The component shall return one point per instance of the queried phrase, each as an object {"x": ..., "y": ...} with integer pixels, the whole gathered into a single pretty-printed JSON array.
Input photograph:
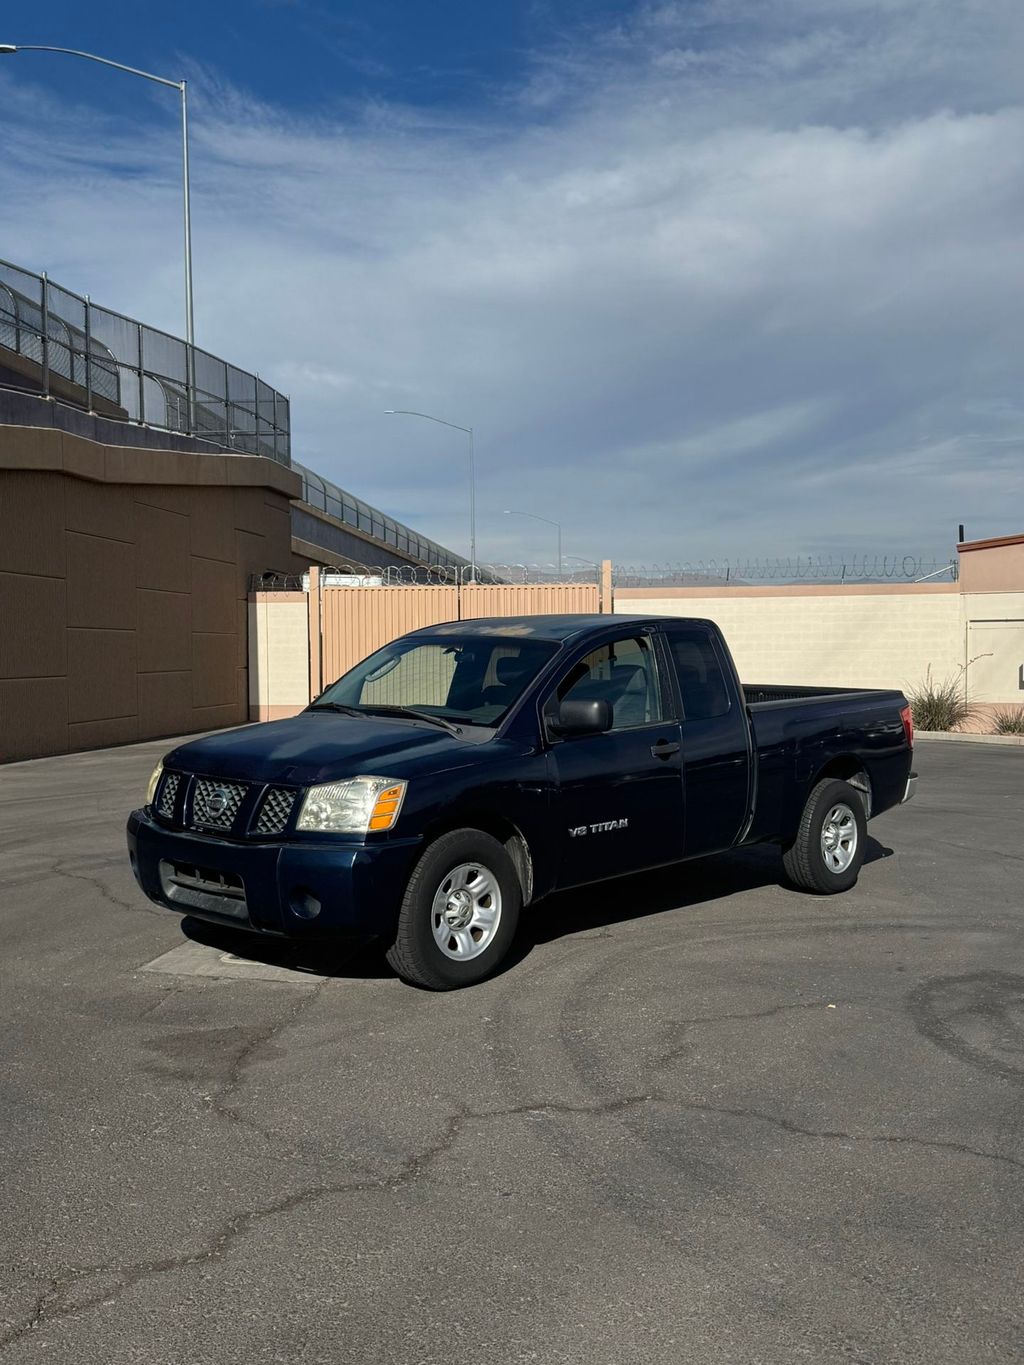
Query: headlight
[
  {"x": 154, "y": 779},
  {"x": 357, "y": 806}
]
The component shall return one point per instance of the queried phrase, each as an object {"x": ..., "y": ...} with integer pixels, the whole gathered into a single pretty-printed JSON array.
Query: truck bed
[
  {"x": 795, "y": 732},
  {"x": 768, "y": 694}
]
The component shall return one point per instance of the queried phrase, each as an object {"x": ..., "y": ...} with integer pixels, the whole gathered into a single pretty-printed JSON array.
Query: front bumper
[
  {"x": 911, "y": 788},
  {"x": 307, "y": 890}
]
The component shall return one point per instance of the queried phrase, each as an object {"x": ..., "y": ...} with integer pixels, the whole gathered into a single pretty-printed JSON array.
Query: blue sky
[{"x": 711, "y": 278}]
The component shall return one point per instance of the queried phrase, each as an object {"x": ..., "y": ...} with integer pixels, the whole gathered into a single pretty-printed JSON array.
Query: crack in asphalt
[
  {"x": 219, "y": 1103},
  {"x": 54, "y": 1304},
  {"x": 61, "y": 870},
  {"x": 165, "y": 994},
  {"x": 788, "y": 1126},
  {"x": 674, "y": 1053}
]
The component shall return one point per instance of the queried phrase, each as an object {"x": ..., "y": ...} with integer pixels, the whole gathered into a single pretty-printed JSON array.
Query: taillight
[{"x": 906, "y": 716}]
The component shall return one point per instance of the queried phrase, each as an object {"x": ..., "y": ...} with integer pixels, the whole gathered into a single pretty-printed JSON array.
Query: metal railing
[
  {"x": 62, "y": 345},
  {"x": 345, "y": 507}
]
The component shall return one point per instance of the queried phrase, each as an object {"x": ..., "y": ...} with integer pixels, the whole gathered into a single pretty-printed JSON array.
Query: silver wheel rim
[
  {"x": 839, "y": 837},
  {"x": 466, "y": 911}
]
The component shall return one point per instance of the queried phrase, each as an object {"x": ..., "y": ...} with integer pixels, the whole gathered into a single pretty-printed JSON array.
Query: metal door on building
[{"x": 995, "y": 650}]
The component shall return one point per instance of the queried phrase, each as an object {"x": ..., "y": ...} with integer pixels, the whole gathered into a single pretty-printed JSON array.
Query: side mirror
[{"x": 590, "y": 717}]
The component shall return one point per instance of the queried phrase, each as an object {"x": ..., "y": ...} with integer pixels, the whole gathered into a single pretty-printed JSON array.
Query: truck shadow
[
  {"x": 677, "y": 887},
  {"x": 587, "y": 909}
]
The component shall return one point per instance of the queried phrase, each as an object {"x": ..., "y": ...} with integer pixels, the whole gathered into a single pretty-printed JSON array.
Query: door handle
[{"x": 665, "y": 748}]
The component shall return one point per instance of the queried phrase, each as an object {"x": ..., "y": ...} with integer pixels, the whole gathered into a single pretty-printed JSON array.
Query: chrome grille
[
  {"x": 215, "y": 804},
  {"x": 168, "y": 795},
  {"x": 276, "y": 808}
]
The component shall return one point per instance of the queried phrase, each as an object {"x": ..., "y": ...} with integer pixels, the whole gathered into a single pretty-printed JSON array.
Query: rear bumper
[
  {"x": 308, "y": 890},
  {"x": 910, "y": 789}
]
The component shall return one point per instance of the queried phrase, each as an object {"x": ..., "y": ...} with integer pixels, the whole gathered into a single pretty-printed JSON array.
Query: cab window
[
  {"x": 624, "y": 674},
  {"x": 702, "y": 684}
]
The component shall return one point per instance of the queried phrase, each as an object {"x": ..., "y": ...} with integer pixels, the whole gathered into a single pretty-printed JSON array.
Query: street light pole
[
  {"x": 509, "y": 512},
  {"x": 7, "y": 49},
  {"x": 408, "y": 412}
]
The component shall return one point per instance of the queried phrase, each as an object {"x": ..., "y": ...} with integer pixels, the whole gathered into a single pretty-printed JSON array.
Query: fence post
[
  {"x": 142, "y": 378},
  {"x": 607, "y": 594},
  {"x": 44, "y": 311},
  {"x": 88, "y": 354},
  {"x": 227, "y": 408},
  {"x": 313, "y": 602},
  {"x": 190, "y": 388}
]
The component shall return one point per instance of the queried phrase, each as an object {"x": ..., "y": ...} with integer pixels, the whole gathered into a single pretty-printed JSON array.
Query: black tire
[
  {"x": 416, "y": 954},
  {"x": 809, "y": 861}
]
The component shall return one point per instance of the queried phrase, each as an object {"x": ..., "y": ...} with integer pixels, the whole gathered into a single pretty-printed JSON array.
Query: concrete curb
[{"x": 955, "y": 737}]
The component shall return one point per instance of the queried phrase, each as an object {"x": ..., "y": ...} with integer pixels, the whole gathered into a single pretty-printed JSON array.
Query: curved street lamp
[
  {"x": 408, "y": 412},
  {"x": 509, "y": 512},
  {"x": 8, "y": 49}
]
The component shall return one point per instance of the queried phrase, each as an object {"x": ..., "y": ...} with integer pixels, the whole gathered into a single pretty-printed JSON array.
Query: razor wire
[{"x": 781, "y": 570}]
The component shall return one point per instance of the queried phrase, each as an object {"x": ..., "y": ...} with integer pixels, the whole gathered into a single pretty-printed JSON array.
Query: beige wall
[
  {"x": 123, "y": 588},
  {"x": 858, "y": 636},
  {"x": 278, "y": 654}
]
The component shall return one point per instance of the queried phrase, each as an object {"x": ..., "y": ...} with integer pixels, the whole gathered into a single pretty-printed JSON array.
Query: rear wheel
[
  {"x": 828, "y": 851},
  {"x": 459, "y": 913}
]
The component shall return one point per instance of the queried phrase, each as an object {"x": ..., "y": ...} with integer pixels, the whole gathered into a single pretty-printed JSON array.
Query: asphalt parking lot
[{"x": 701, "y": 1117}]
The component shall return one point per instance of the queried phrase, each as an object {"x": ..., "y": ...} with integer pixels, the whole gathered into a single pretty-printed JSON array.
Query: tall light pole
[
  {"x": 407, "y": 412},
  {"x": 511, "y": 513},
  {"x": 181, "y": 87}
]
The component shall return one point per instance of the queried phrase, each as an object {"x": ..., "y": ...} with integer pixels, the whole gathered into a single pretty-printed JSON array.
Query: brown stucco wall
[
  {"x": 992, "y": 565},
  {"x": 123, "y": 588}
]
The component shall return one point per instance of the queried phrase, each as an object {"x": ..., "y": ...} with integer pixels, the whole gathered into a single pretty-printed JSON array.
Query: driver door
[{"x": 618, "y": 805}]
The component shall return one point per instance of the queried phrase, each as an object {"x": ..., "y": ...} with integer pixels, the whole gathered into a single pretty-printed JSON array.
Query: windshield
[{"x": 466, "y": 681}]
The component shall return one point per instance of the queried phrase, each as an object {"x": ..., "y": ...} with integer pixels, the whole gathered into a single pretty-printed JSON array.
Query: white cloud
[{"x": 735, "y": 279}]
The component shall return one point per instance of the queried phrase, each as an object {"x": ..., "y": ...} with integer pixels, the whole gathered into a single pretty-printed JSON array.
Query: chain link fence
[{"x": 60, "y": 344}]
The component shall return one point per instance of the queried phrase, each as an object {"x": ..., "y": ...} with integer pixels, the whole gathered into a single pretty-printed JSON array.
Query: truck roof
[{"x": 561, "y": 627}]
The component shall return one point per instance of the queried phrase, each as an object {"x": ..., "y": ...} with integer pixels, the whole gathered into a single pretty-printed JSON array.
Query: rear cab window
[{"x": 701, "y": 676}]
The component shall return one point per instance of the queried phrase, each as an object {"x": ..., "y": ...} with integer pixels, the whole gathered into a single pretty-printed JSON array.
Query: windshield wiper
[
  {"x": 337, "y": 706},
  {"x": 413, "y": 714}
]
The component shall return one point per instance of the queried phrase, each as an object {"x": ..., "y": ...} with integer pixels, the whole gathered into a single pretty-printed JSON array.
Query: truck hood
[{"x": 320, "y": 747}]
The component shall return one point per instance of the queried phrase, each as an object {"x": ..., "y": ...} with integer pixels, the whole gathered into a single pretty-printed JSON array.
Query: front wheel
[
  {"x": 459, "y": 913},
  {"x": 828, "y": 851}
]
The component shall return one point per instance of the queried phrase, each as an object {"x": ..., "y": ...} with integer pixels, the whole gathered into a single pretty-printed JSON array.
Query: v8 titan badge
[{"x": 602, "y": 827}]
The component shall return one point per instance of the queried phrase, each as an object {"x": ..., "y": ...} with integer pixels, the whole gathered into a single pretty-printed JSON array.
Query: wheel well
[
  {"x": 508, "y": 835},
  {"x": 848, "y": 768}
]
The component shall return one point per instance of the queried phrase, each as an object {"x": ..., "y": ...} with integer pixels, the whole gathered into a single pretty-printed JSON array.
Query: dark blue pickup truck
[{"x": 466, "y": 770}]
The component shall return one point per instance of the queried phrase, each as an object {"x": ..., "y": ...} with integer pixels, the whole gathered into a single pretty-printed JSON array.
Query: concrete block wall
[
  {"x": 124, "y": 577},
  {"x": 279, "y": 658},
  {"x": 864, "y": 635}
]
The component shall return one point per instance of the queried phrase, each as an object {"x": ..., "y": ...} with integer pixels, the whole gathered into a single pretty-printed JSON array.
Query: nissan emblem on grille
[{"x": 216, "y": 803}]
